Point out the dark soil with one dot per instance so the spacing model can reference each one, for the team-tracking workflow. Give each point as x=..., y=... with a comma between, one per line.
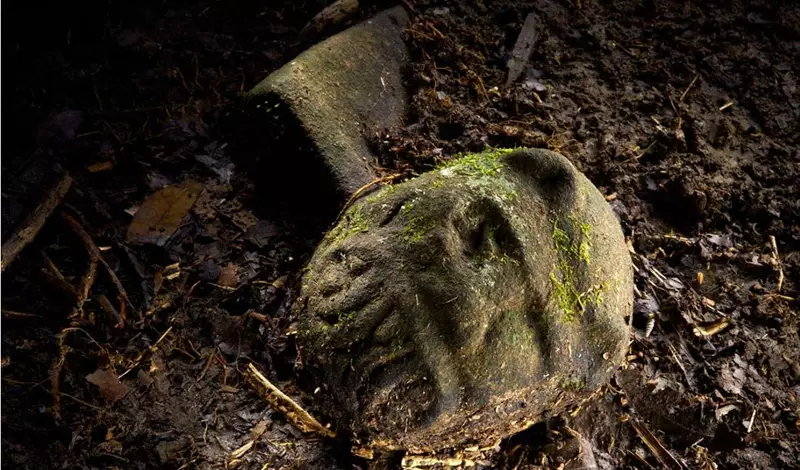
x=686, y=116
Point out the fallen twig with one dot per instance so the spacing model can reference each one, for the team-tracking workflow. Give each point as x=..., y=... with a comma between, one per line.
x=285, y=405
x=34, y=222
x=12, y=313
x=53, y=275
x=87, y=281
x=655, y=446
x=688, y=88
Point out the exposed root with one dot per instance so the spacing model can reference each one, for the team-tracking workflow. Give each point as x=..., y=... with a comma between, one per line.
x=58, y=366
x=363, y=190
x=96, y=257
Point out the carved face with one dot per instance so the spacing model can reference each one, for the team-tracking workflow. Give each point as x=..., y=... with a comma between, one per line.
x=456, y=292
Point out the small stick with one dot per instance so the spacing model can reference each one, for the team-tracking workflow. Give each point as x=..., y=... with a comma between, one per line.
x=655, y=446
x=777, y=261
x=726, y=106
x=680, y=364
x=34, y=222
x=680, y=100
x=60, y=283
x=152, y=348
x=12, y=313
x=752, y=420
x=94, y=253
x=110, y=310
x=282, y=403
x=48, y=263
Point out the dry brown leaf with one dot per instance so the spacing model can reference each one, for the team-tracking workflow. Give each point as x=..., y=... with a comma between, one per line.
x=260, y=428
x=110, y=387
x=160, y=215
x=228, y=275
x=97, y=167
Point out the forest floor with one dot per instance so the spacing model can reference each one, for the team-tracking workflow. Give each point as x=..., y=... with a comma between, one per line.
x=685, y=115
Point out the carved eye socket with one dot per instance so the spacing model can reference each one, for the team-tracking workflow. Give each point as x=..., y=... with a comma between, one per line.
x=486, y=234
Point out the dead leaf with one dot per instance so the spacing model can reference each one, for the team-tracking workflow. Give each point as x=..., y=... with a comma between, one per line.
x=732, y=379
x=228, y=389
x=97, y=167
x=723, y=410
x=228, y=275
x=260, y=428
x=160, y=215
x=711, y=329
x=110, y=387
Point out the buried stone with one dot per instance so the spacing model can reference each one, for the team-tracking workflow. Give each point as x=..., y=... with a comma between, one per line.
x=466, y=304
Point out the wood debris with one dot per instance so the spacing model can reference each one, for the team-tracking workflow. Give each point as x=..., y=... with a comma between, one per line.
x=299, y=417
x=523, y=48
x=655, y=446
x=34, y=222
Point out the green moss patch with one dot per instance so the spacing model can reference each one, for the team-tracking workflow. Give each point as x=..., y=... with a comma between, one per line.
x=354, y=222
x=479, y=164
x=572, y=251
x=416, y=225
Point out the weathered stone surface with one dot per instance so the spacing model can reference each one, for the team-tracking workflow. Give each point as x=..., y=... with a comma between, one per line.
x=333, y=92
x=464, y=305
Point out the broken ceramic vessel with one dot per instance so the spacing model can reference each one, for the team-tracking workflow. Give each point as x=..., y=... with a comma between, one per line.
x=468, y=303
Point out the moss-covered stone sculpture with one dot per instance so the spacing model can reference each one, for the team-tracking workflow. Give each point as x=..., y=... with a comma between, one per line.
x=468, y=303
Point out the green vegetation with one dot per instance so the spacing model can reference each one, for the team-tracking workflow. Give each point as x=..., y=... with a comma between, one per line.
x=478, y=164
x=416, y=225
x=571, y=253
x=346, y=317
x=354, y=222
x=572, y=385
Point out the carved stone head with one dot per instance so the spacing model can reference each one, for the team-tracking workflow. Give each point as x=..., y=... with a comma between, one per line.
x=468, y=303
